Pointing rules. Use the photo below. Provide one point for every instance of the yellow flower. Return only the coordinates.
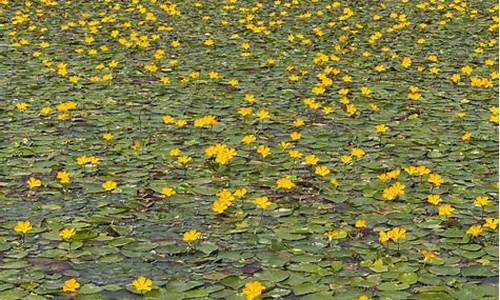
(233, 82)
(175, 152)
(74, 79)
(379, 68)
(285, 145)
(285, 183)
(219, 206)
(142, 284)
(33, 182)
(109, 185)
(205, 120)
(397, 233)
(406, 62)
(394, 191)
(467, 70)
(423, 170)
(71, 285)
(381, 128)
(334, 182)
(83, 160)
(295, 154)
(298, 122)
(414, 96)
(175, 43)
(481, 201)
(263, 150)
(181, 123)
(191, 235)
(428, 255)
(46, 110)
(435, 179)
(294, 136)
(322, 170)
(252, 290)
(240, 193)
(311, 159)
(263, 114)
(491, 223)
(22, 106)
(23, 227)
(357, 152)
(434, 199)
(445, 210)
(107, 136)
(346, 159)
(223, 153)
(168, 119)
(151, 68)
(335, 234)
(466, 136)
(360, 223)
(365, 90)
(245, 111)
(184, 159)
(66, 106)
(213, 75)
(474, 230)
(67, 233)
(168, 191)
(224, 200)
(455, 78)
(63, 177)
(262, 202)
(383, 236)
(209, 42)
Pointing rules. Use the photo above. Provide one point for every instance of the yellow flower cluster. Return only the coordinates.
(91, 160)
(394, 191)
(205, 121)
(389, 175)
(395, 234)
(417, 170)
(222, 153)
(65, 106)
(224, 199)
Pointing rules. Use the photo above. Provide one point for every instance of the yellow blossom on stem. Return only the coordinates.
(360, 223)
(252, 290)
(71, 285)
(435, 179)
(142, 284)
(168, 191)
(445, 210)
(109, 185)
(262, 202)
(285, 183)
(23, 227)
(491, 223)
(428, 255)
(191, 235)
(481, 201)
(263, 150)
(474, 230)
(63, 177)
(67, 233)
(33, 182)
